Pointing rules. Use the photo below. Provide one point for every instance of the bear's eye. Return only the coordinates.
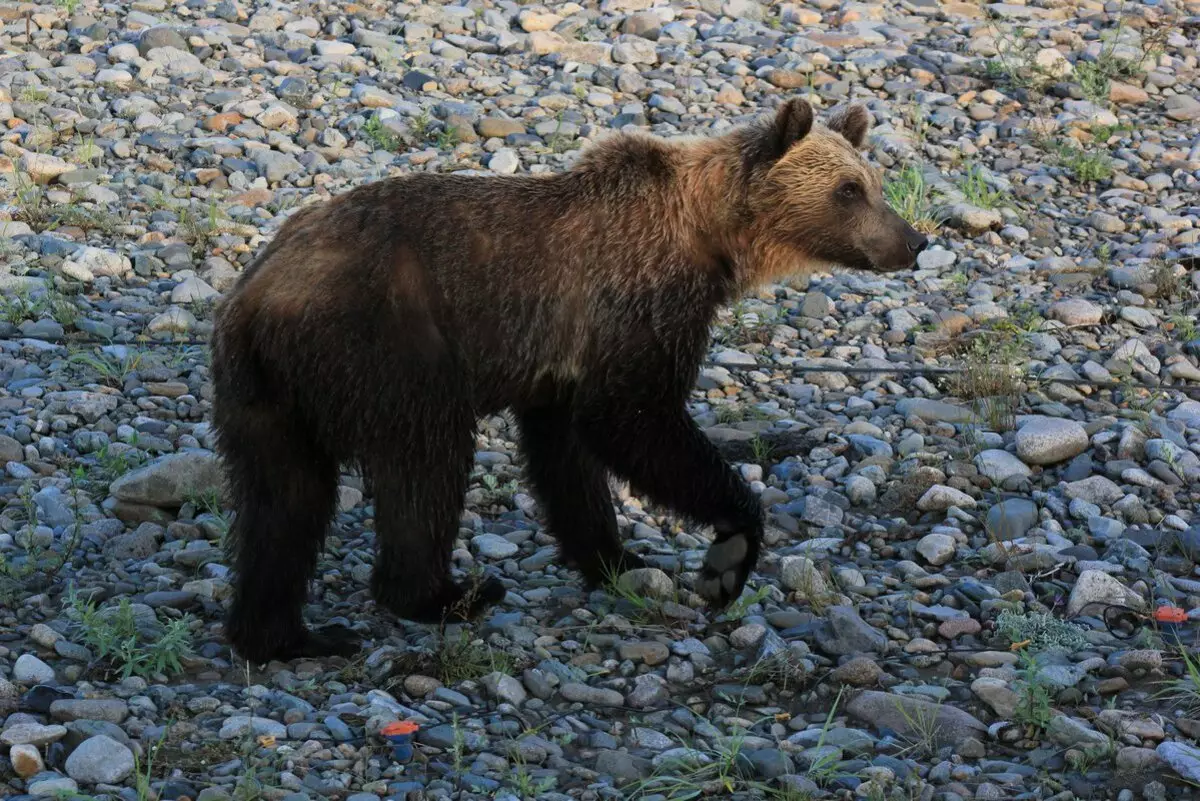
(849, 190)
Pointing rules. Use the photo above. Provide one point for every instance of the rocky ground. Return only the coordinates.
(955, 599)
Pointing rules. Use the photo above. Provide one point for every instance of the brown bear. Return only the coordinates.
(377, 327)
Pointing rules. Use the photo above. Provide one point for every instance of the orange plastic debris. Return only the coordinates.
(1170, 614)
(399, 727)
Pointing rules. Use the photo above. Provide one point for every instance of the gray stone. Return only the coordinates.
(28, 669)
(916, 717)
(937, 549)
(586, 694)
(493, 546)
(1095, 589)
(31, 734)
(240, 726)
(1184, 759)
(845, 632)
(1011, 518)
(171, 480)
(999, 466)
(1094, 489)
(935, 411)
(622, 766)
(100, 760)
(505, 688)
(113, 710)
(1049, 440)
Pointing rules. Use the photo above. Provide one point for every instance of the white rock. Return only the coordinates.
(939, 498)
(937, 549)
(31, 670)
(192, 289)
(998, 466)
(505, 688)
(1049, 440)
(504, 161)
(43, 168)
(1076, 311)
(799, 573)
(1095, 589)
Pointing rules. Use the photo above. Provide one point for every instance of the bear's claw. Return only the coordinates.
(727, 566)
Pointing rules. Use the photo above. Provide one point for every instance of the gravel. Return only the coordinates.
(920, 526)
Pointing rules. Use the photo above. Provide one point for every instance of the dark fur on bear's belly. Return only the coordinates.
(378, 327)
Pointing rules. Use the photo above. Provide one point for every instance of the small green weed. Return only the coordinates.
(381, 137)
(1184, 327)
(1088, 166)
(910, 195)
(116, 640)
(975, 188)
(1183, 694)
(461, 658)
(1033, 710)
(109, 369)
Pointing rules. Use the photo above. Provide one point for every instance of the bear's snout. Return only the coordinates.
(916, 241)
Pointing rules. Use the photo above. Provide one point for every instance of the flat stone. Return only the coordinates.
(906, 715)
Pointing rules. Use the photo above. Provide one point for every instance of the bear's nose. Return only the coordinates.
(916, 242)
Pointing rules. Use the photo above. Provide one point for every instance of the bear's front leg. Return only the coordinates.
(655, 445)
(572, 485)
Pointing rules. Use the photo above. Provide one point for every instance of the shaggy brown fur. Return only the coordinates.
(376, 328)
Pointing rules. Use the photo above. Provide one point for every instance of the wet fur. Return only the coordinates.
(377, 327)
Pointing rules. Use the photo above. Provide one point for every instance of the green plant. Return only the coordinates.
(1183, 693)
(910, 195)
(1041, 631)
(463, 657)
(110, 369)
(825, 768)
(741, 607)
(991, 369)
(1015, 62)
(115, 638)
(975, 188)
(1033, 709)
(421, 126)
(696, 772)
(1184, 326)
(41, 561)
(198, 230)
(446, 138)
(761, 449)
(637, 607)
(32, 206)
(379, 136)
(33, 94)
(1088, 166)
(922, 727)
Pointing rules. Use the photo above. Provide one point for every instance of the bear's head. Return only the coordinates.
(811, 199)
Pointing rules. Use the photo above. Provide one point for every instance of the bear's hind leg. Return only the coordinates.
(418, 482)
(573, 485)
(285, 489)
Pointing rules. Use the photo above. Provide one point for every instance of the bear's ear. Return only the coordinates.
(852, 122)
(769, 141)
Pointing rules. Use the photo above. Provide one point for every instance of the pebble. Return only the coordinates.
(100, 760)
